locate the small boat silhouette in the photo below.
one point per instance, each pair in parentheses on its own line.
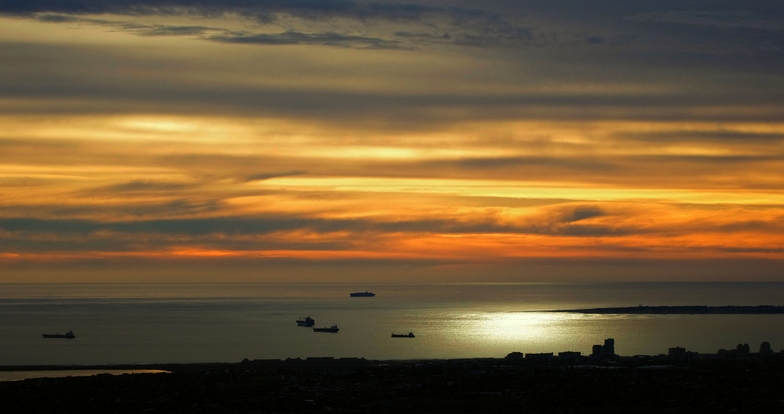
(67,335)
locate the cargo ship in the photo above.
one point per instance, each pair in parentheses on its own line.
(67,335)
(306,321)
(408,335)
(364,294)
(332,329)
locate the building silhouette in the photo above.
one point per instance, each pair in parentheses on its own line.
(570,354)
(743,350)
(765,349)
(609,347)
(514,356)
(539,356)
(604,351)
(677,352)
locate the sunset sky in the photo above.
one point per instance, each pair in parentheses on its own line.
(422,140)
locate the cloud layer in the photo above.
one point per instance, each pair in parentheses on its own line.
(425,136)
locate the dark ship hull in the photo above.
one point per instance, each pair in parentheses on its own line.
(408,335)
(364,294)
(67,335)
(332,329)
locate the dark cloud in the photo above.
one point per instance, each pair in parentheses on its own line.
(478,27)
(263,10)
(738,137)
(323,39)
(775,250)
(128,84)
(58,18)
(567,163)
(703,27)
(138,28)
(159,6)
(583,213)
(564,221)
(191,227)
(719,10)
(612,9)
(421,36)
(194,227)
(13,183)
(225,36)
(731,19)
(776,224)
(176,207)
(267,176)
(597,40)
(708,159)
(144,186)
(167,30)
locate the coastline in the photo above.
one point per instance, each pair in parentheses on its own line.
(563,358)
(539,384)
(678,310)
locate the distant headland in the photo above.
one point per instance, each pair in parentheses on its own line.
(681,310)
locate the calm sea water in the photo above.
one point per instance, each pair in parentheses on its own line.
(146,323)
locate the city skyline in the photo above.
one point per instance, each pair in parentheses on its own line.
(172,140)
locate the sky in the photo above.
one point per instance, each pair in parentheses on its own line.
(394,141)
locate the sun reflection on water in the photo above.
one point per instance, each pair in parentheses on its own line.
(496,333)
(520,326)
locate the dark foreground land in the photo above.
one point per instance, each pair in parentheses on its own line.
(737,385)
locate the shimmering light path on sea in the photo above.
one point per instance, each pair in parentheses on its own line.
(117,324)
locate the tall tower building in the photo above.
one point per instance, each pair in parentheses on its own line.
(609,347)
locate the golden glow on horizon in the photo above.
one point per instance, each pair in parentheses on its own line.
(221,137)
(540,190)
(463,219)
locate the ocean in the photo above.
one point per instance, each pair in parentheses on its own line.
(181,323)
